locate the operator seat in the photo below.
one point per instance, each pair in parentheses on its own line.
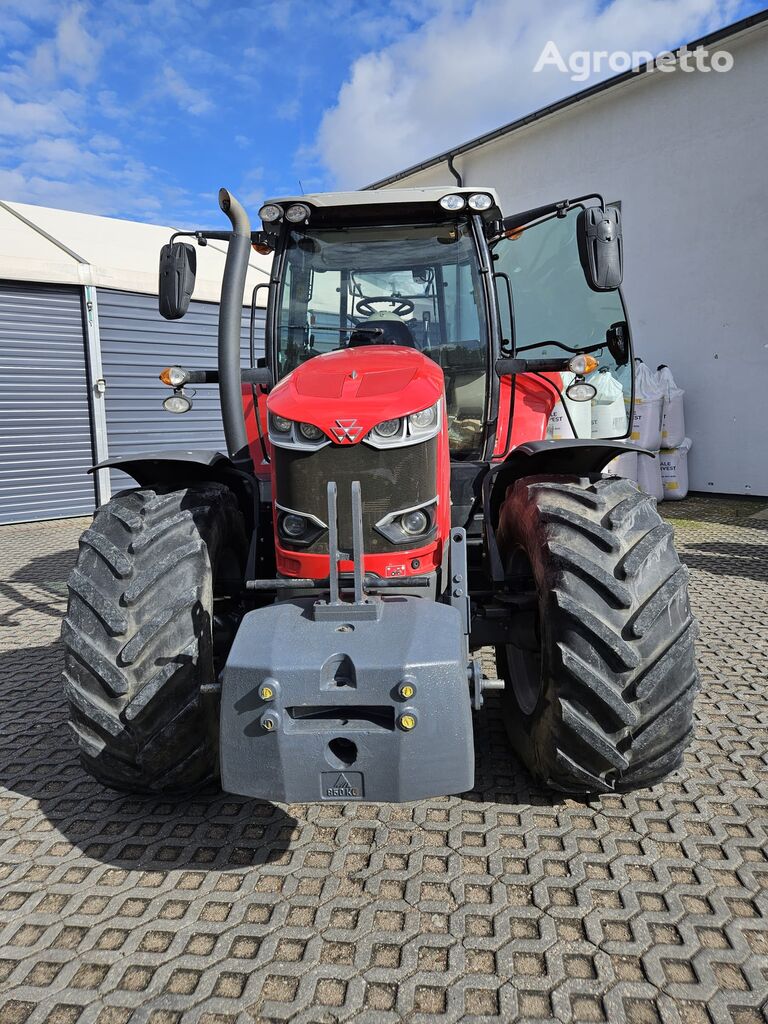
(382,329)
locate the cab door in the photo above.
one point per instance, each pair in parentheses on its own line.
(556,314)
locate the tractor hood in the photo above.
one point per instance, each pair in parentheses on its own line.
(365,385)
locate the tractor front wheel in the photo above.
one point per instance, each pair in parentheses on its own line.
(146,631)
(600,677)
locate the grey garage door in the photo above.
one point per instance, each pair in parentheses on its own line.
(45,432)
(136,343)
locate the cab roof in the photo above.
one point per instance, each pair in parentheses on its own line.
(356,205)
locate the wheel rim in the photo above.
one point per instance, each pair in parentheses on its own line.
(524,662)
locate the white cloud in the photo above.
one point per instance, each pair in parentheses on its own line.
(24,119)
(194,101)
(465,72)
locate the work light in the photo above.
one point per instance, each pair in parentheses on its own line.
(452,202)
(580,391)
(177,403)
(480,201)
(270,213)
(297,213)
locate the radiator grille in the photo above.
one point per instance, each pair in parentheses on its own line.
(390,479)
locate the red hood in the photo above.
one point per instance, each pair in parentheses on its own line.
(367,384)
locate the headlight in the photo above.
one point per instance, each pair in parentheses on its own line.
(281,424)
(452,202)
(480,201)
(415,523)
(388,428)
(297,213)
(407,524)
(310,431)
(418,426)
(177,403)
(270,212)
(293,525)
(425,419)
(580,391)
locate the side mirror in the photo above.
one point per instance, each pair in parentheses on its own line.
(178,265)
(617,339)
(598,232)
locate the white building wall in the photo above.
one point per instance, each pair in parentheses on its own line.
(687,155)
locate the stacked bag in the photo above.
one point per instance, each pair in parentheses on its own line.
(673,458)
(658,424)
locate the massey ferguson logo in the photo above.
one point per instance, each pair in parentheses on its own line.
(346,431)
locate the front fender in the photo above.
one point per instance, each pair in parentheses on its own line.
(569,457)
(171,466)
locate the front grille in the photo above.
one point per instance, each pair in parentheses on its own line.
(390,479)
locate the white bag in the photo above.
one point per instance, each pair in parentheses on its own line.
(624,465)
(649,401)
(674,470)
(558,426)
(609,415)
(672,418)
(649,476)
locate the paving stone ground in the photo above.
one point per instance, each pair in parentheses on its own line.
(505,904)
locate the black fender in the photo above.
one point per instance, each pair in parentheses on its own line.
(571,457)
(172,466)
(184,466)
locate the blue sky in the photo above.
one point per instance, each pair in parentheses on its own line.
(143,108)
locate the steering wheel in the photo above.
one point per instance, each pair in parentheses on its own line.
(402,306)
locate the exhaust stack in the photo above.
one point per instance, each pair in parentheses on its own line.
(230,320)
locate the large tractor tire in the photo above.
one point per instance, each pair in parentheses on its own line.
(143,639)
(601,677)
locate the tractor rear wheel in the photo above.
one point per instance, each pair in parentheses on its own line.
(146,632)
(601,677)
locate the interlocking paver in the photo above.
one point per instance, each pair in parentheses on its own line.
(508,903)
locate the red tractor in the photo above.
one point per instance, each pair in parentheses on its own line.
(300,617)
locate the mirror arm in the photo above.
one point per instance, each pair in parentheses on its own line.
(257,375)
(504,367)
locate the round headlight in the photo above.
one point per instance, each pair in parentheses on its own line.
(310,431)
(415,522)
(281,424)
(452,202)
(297,213)
(424,419)
(480,201)
(270,213)
(580,391)
(387,428)
(177,403)
(294,526)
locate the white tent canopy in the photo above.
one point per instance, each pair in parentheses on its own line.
(51,246)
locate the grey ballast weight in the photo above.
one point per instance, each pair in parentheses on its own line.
(332,726)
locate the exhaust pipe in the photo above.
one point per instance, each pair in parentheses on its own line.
(230,321)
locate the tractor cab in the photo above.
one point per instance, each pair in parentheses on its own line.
(442,272)
(392,268)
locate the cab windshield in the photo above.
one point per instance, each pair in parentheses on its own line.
(413,285)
